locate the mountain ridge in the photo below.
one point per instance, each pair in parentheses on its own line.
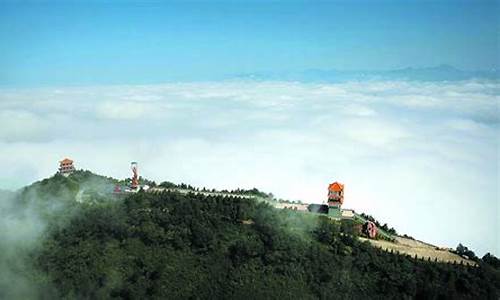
(442,72)
(184,245)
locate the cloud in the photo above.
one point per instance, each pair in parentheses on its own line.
(22,125)
(359,110)
(421,156)
(127,110)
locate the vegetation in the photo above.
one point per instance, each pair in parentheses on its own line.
(465,252)
(185,246)
(251,192)
(384,227)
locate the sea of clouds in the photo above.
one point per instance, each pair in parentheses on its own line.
(421,156)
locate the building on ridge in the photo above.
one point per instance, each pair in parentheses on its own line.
(335,199)
(66,167)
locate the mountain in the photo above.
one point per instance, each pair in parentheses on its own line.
(172,245)
(438,73)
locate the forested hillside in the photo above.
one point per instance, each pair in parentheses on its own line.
(174,246)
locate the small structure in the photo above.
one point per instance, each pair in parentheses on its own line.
(135,177)
(318,208)
(292,206)
(370,229)
(348,214)
(335,199)
(117,189)
(66,167)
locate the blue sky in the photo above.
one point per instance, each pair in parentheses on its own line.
(81,43)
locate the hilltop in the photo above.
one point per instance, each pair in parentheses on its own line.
(177,245)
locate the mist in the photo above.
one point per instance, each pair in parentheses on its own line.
(20,230)
(421,156)
(26,217)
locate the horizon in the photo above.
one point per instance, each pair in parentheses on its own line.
(323,75)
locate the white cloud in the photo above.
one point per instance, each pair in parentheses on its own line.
(359,110)
(22,125)
(373,132)
(421,156)
(127,110)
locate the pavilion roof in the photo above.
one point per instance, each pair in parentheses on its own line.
(336,187)
(66,161)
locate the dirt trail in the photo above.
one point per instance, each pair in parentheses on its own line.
(420,249)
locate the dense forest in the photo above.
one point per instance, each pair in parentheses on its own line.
(185,246)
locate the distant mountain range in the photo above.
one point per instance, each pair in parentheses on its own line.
(438,73)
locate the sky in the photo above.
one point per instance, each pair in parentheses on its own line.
(87,42)
(107,84)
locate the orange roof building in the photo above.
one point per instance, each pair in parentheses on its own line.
(335,194)
(66,167)
(335,199)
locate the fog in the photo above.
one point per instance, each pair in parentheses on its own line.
(421,156)
(20,230)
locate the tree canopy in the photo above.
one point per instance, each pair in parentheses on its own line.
(190,246)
